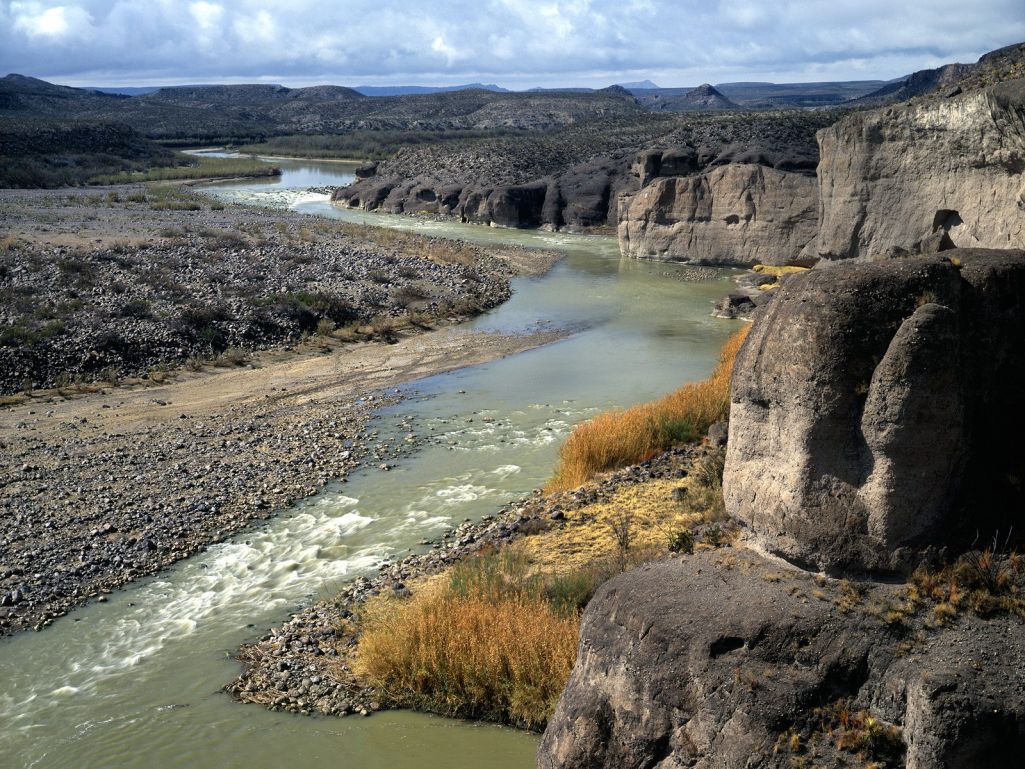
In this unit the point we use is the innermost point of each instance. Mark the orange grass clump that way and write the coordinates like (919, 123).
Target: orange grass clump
(501, 658)
(620, 438)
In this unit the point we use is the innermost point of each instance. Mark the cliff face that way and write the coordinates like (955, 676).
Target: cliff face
(874, 404)
(875, 419)
(924, 177)
(582, 196)
(739, 214)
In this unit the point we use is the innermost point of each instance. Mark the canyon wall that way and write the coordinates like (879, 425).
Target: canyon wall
(919, 178)
(738, 214)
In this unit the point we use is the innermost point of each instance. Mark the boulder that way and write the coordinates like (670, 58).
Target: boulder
(740, 214)
(876, 411)
(666, 678)
(925, 176)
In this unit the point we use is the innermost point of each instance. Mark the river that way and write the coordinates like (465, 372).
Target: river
(136, 681)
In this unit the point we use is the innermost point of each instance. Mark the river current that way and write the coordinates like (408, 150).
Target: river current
(136, 682)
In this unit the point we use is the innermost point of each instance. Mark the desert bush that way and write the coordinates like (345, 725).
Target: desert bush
(620, 438)
(496, 642)
(407, 296)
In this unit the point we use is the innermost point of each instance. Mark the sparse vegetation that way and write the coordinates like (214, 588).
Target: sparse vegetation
(619, 438)
(365, 145)
(191, 167)
(496, 641)
(985, 582)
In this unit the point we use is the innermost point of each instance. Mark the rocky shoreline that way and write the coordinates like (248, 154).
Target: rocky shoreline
(104, 484)
(121, 281)
(303, 665)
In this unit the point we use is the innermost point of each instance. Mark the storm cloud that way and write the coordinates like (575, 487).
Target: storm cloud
(516, 43)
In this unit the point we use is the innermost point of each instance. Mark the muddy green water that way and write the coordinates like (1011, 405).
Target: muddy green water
(135, 682)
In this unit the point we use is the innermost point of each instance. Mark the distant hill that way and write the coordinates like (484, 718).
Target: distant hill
(220, 113)
(124, 90)
(1006, 63)
(407, 90)
(754, 95)
(46, 152)
(704, 97)
(641, 85)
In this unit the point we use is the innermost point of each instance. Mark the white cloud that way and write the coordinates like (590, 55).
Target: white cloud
(440, 46)
(518, 43)
(260, 28)
(207, 15)
(55, 23)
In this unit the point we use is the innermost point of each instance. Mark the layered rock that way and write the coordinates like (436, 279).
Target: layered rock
(582, 196)
(740, 214)
(876, 411)
(666, 678)
(934, 174)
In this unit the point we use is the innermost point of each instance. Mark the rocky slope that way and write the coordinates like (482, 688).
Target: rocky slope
(574, 177)
(874, 421)
(798, 672)
(967, 187)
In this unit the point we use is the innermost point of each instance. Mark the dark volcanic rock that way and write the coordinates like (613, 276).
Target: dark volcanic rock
(574, 176)
(666, 678)
(876, 411)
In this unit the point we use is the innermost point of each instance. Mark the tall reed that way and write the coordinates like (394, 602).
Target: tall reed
(624, 437)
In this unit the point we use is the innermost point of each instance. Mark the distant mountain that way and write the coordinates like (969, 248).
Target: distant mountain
(704, 97)
(1006, 63)
(407, 90)
(124, 90)
(755, 95)
(641, 85)
(225, 113)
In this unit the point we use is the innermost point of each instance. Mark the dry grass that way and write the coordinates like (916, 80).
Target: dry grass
(437, 250)
(495, 642)
(588, 535)
(983, 582)
(620, 438)
(777, 272)
(494, 637)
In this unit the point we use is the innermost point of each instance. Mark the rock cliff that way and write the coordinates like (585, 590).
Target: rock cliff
(796, 672)
(918, 178)
(875, 411)
(875, 420)
(576, 176)
(739, 214)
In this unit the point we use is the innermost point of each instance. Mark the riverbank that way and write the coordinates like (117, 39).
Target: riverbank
(433, 632)
(104, 484)
(307, 664)
(128, 281)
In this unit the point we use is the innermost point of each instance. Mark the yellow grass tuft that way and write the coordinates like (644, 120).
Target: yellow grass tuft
(481, 650)
(620, 438)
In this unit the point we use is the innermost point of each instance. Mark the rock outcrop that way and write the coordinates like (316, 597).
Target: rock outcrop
(935, 174)
(740, 214)
(731, 661)
(876, 411)
(574, 177)
(580, 197)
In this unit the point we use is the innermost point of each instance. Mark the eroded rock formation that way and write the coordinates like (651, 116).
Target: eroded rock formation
(935, 174)
(666, 678)
(876, 408)
(740, 214)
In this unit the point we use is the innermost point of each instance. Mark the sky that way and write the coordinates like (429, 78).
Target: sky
(514, 43)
